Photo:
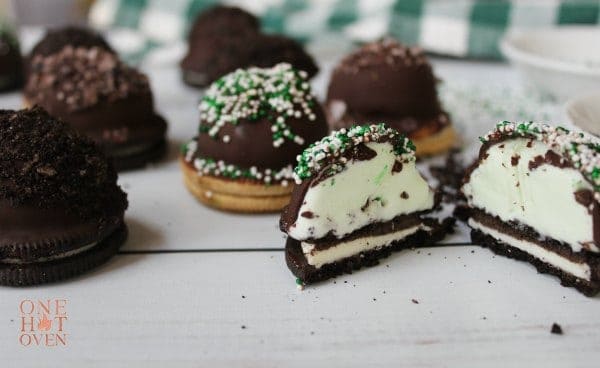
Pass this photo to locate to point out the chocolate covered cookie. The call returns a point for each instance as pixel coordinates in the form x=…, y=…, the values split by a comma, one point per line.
x=223, y=39
x=101, y=97
x=386, y=81
x=253, y=124
x=54, y=40
x=61, y=208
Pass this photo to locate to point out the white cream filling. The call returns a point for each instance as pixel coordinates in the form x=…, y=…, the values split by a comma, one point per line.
x=51, y=258
x=542, y=198
x=318, y=258
x=580, y=270
x=337, y=204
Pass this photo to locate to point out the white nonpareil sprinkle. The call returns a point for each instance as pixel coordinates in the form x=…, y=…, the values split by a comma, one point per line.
x=278, y=93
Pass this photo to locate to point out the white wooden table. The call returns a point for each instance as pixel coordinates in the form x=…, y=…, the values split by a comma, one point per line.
x=195, y=287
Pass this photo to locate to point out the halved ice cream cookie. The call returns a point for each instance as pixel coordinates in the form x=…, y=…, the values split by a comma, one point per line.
x=358, y=197
x=533, y=195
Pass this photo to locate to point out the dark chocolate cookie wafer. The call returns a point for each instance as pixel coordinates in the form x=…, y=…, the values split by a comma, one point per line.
x=140, y=159
x=12, y=274
x=61, y=210
x=589, y=288
x=308, y=274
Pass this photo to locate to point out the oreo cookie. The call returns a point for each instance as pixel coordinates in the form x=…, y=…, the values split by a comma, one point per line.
x=61, y=210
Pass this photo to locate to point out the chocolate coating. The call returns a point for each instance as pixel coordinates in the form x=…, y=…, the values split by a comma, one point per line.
x=415, y=128
x=223, y=20
x=224, y=39
x=269, y=50
x=34, y=227
x=252, y=144
x=385, y=81
x=56, y=39
x=100, y=96
x=11, y=63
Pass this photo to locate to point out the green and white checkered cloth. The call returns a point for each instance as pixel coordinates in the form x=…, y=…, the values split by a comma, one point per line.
x=460, y=28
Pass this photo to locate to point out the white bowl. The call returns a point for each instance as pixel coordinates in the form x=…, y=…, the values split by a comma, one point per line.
x=561, y=62
x=584, y=112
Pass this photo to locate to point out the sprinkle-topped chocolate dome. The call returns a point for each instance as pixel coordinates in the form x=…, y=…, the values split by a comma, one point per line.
x=78, y=78
x=101, y=97
x=44, y=164
x=56, y=39
x=386, y=77
x=256, y=120
x=387, y=81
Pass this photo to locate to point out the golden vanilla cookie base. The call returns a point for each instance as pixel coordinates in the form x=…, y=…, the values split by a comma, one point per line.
x=235, y=196
x=436, y=143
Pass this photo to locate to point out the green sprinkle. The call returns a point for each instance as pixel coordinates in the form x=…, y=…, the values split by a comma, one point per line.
x=380, y=176
x=276, y=94
x=338, y=142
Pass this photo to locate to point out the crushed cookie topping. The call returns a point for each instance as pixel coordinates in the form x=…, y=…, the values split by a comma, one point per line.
x=276, y=93
x=338, y=142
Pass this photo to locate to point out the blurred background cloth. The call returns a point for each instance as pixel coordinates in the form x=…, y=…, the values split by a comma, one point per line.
x=47, y=12
x=459, y=28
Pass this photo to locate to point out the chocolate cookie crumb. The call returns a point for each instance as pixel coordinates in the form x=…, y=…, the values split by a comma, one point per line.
x=45, y=164
x=449, y=176
x=556, y=329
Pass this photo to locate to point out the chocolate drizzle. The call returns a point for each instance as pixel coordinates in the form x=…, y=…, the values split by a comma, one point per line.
x=585, y=197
